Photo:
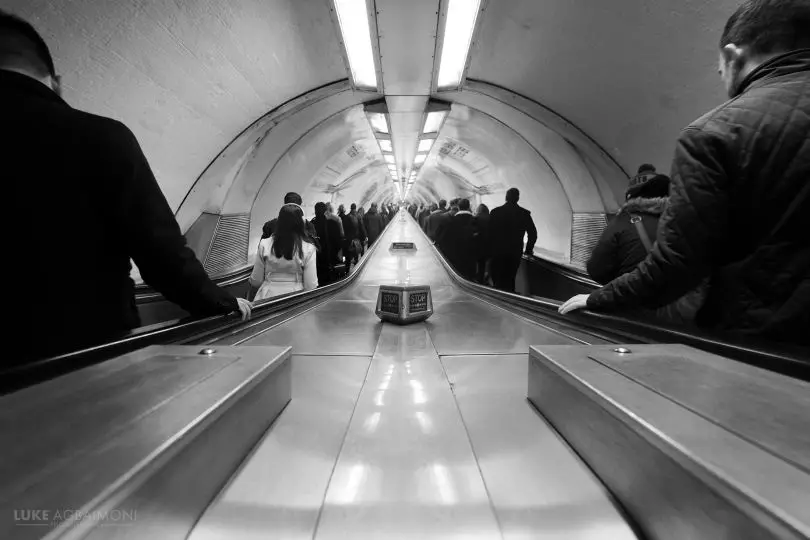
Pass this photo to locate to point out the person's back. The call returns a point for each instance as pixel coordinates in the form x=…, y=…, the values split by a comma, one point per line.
x=456, y=241
x=89, y=203
x=435, y=220
x=620, y=247
x=508, y=224
x=374, y=224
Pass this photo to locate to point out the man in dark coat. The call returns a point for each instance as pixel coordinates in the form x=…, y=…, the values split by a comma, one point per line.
x=331, y=241
x=456, y=241
x=352, y=233
x=435, y=220
x=89, y=203
x=374, y=224
x=425, y=214
x=620, y=248
x=739, y=209
x=508, y=224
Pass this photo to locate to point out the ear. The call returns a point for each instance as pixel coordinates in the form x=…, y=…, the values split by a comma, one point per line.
x=733, y=54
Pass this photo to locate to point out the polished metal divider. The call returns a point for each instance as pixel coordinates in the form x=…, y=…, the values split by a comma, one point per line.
x=136, y=447
x=692, y=444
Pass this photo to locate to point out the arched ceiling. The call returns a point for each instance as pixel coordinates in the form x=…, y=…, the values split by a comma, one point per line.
x=237, y=102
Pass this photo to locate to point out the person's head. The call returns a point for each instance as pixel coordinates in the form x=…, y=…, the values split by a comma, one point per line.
x=267, y=230
x=646, y=168
x=23, y=51
x=373, y=206
x=329, y=208
x=758, y=31
x=434, y=207
x=482, y=210
x=294, y=198
x=321, y=209
x=442, y=204
x=341, y=210
x=289, y=232
x=648, y=186
x=464, y=205
x=512, y=195
x=353, y=207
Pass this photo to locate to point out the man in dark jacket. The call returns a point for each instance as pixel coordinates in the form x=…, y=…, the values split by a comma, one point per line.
x=739, y=209
x=508, y=224
x=425, y=214
x=374, y=224
x=352, y=235
x=331, y=241
x=435, y=220
x=620, y=248
x=89, y=203
x=456, y=241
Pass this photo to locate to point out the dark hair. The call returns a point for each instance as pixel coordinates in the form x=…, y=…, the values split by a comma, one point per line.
x=293, y=197
x=289, y=233
x=657, y=186
x=512, y=195
x=341, y=210
x=21, y=43
x=769, y=26
x=482, y=210
x=320, y=208
x=464, y=204
x=353, y=207
x=442, y=204
x=646, y=167
x=267, y=229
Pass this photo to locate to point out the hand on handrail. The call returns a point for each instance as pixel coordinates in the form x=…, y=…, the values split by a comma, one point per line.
x=579, y=301
x=245, y=308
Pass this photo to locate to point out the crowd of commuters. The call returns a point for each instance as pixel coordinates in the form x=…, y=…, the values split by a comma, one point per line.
x=734, y=233
x=295, y=254
x=486, y=247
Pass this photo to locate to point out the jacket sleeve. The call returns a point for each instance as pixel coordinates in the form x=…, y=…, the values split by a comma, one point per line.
x=603, y=265
x=691, y=230
x=154, y=239
x=531, y=231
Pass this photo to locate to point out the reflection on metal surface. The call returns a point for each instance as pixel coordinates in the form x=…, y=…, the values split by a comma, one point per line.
x=622, y=350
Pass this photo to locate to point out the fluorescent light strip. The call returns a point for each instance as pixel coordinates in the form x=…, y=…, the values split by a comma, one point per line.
x=386, y=145
x=425, y=145
x=420, y=158
x=354, y=26
x=378, y=122
x=458, y=30
x=433, y=121
x=389, y=159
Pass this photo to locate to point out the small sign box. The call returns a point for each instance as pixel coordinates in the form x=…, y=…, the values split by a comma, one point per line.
x=404, y=304
x=403, y=246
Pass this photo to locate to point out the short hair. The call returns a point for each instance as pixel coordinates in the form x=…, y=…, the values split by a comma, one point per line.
x=353, y=206
x=294, y=198
x=769, y=26
x=442, y=204
x=320, y=208
x=512, y=195
x=21, y=44
x=646, y=167
x=464, y=204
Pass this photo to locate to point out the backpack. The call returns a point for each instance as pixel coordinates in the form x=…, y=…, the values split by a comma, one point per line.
x=684, y=309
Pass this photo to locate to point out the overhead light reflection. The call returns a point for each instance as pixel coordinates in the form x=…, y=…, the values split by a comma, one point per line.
x=354, y=26
x=424, y=422
x=433, y=121
x=441, y=478
x=458, y=31
x=370, y=425
x=418, y=392
x=346, y=493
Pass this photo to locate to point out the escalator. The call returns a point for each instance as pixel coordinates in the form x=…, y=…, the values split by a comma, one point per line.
x=315, y=420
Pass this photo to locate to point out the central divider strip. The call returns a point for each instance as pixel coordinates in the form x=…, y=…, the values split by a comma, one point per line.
x=406, y=467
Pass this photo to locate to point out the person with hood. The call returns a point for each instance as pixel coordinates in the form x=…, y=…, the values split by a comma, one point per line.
x=739, y=205
x=374, y=224
x=621, y=247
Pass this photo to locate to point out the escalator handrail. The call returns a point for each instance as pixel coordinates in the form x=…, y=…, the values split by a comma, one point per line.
x=785, y=360
x=146, y=294
x=173, y=331
x=569, y=273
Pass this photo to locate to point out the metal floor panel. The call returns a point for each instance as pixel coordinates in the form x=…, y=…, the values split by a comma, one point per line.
x=539, y=487
x=280, y=488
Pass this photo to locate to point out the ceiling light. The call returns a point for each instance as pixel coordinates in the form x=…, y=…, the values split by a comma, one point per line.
x=378, y=122
x=353, y=19
x=458, y=31
x=389, y=158
x=420, y=158
x=433, y=121
x=386, y=146
x=425, y=145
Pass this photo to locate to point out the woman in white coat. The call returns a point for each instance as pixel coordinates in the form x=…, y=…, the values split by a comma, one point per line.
x=285, y=262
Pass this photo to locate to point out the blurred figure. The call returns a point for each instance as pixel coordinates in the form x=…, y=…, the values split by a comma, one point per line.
x=98, y=206
x=331, y=242
x=374, y=224
x=482, y=241
x=330, y=214
x=739, y=207
x=436, y=218
x=361, y=214
x=424, y=214
x=351, y=228
x=286, y=262
x=508, y=225
x=456, y=240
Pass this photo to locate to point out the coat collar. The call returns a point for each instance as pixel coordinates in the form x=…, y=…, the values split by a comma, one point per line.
x=784, y=64
x=22, y=84
x=463, y=213
x=654, y=206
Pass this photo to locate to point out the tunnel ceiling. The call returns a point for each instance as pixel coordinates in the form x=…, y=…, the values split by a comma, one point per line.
x=236, y=102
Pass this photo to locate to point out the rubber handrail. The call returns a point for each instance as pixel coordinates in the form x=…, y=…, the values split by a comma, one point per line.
x=791, y=361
